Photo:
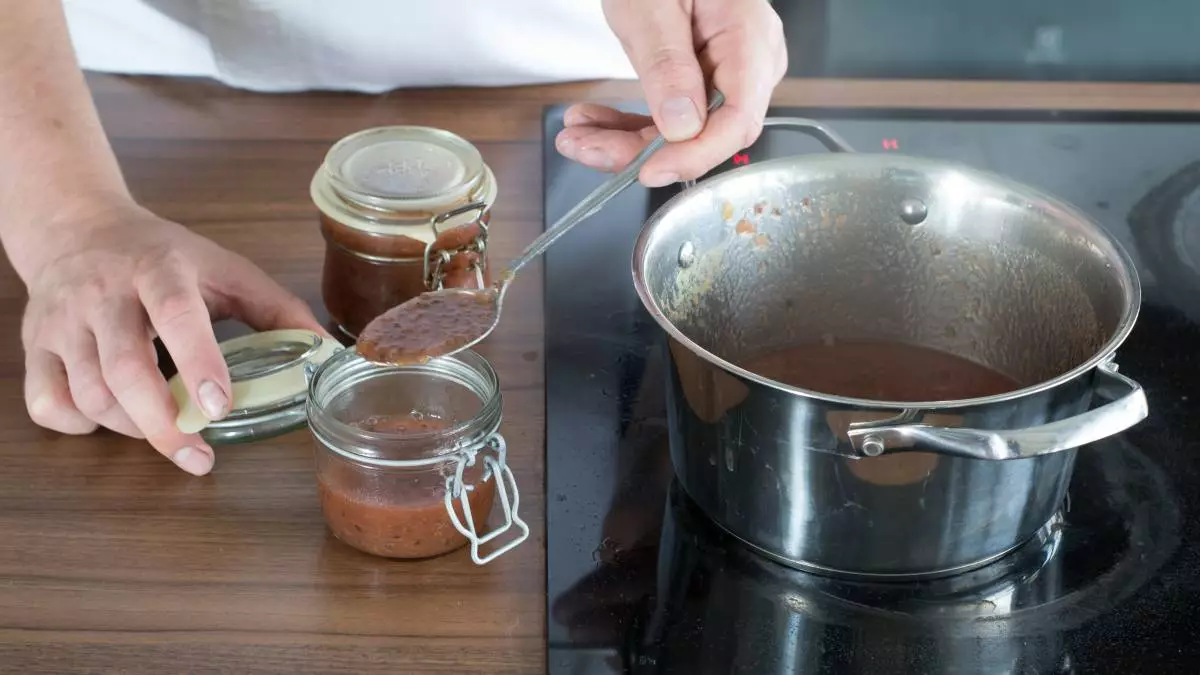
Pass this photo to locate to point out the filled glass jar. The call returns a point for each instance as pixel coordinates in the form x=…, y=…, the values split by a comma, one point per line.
x=409, y=459
x=403, y=210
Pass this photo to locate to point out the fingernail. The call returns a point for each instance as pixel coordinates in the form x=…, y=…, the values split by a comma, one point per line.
x=595, y=158
x=566, y=146
x=681, y=119
x=578, y=116
x=193, y=460
x=656, y=180
x=213, y=400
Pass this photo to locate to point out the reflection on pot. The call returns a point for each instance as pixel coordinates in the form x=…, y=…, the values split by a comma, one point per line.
x=709, y=392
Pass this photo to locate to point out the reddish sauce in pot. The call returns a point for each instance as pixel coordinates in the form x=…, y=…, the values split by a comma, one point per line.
x=881, y=371
x=402, y=515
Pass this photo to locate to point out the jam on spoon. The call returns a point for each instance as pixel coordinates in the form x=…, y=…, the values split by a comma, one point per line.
x=430, y=325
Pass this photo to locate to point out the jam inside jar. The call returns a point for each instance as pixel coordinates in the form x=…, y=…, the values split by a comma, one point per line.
x=409, y=459
x=403, y=210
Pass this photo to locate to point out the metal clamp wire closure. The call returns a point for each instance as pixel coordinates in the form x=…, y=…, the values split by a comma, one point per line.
x=478, y=246
x=431, y=282
x=497, y=467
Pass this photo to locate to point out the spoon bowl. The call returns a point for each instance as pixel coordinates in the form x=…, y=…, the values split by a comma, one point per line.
x=433, y=324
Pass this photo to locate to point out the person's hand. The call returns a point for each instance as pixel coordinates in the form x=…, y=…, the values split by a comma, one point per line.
x=676, y=46
x=96, y=306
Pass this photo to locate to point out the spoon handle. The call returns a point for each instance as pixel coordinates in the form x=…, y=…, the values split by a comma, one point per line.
x=597, y=199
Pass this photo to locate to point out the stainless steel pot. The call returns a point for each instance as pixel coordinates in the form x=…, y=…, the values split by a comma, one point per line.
x=895, y=249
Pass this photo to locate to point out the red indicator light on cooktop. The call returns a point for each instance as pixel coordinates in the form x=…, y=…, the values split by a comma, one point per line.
x=741, y=159
x=891, y=144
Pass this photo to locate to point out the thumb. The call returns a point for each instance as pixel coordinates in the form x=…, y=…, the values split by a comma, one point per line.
x=657, y=36
x=260, y=302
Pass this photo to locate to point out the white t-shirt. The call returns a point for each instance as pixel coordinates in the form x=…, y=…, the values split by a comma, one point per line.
x=360, y=45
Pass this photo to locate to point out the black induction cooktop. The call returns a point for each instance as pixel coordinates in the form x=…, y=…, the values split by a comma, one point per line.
x=639, y=582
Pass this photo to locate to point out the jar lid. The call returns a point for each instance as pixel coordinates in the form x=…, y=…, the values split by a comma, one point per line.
x=269, y=390
x=402, y=176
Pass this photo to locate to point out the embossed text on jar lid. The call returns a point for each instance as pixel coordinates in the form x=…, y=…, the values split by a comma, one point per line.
x=404, y=167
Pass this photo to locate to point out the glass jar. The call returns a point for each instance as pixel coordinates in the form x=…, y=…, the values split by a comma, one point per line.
x=403, y=210
x=410, y=458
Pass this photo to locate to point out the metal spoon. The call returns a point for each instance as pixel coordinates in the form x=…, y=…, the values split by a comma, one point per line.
x=483, y=315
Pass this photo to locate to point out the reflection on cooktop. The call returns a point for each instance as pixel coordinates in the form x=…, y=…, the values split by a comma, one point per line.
x=640, y=582
x=711, y=592
x=1166, y=227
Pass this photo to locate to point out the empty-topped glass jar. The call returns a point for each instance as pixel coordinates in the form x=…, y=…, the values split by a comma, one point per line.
x=409, y=459
x=403, y=210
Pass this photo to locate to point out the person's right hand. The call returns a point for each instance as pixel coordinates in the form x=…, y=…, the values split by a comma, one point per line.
x=95, y=307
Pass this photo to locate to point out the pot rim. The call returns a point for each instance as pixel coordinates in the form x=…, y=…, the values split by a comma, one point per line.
x=1033, y=195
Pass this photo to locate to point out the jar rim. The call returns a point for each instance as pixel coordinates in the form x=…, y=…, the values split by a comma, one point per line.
x=468, y=369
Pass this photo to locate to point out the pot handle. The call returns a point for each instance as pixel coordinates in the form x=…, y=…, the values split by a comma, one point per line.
x=828, y=137
x=1126, y=407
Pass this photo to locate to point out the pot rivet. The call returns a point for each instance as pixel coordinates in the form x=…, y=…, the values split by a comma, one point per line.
x=872, y=446
x=687, y=254
x=913, y=211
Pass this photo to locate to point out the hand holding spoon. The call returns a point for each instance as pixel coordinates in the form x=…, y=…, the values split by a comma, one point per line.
x=441, y=323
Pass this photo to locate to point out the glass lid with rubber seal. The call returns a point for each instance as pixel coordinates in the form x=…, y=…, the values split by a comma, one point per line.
x=268, y=372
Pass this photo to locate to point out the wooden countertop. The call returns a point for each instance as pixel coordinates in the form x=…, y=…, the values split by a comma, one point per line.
x=115, y=561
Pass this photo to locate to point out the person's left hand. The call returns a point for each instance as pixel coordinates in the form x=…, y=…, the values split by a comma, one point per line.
x=676, y=46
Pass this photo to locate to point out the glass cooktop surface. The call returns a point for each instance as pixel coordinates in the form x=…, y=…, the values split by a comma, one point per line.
x=640, y=582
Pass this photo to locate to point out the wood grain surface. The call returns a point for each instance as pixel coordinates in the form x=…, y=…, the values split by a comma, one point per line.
x=114, y=561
